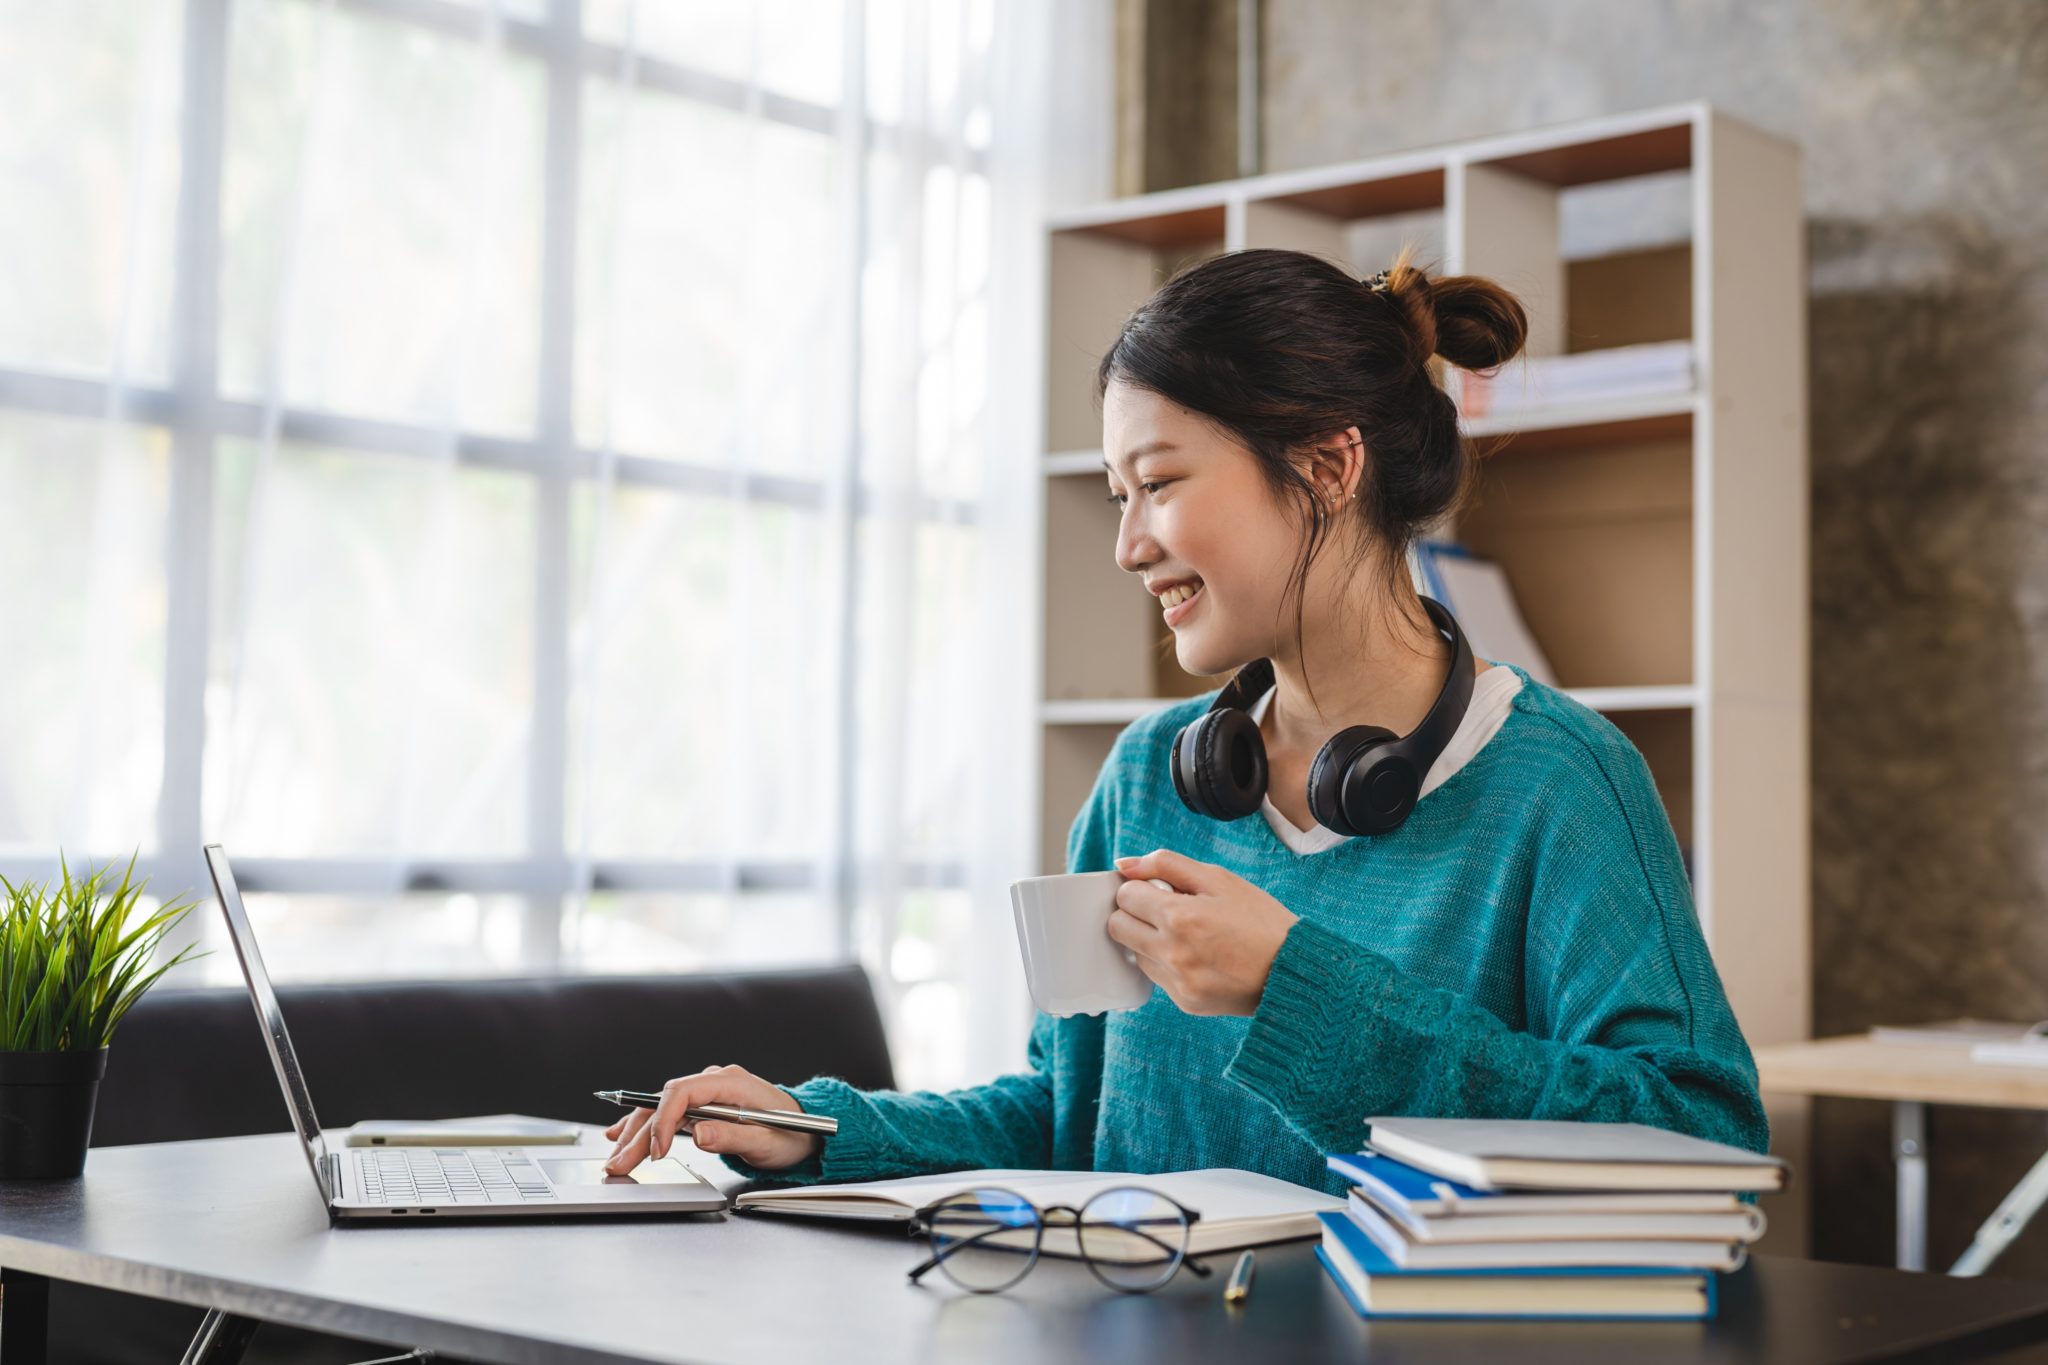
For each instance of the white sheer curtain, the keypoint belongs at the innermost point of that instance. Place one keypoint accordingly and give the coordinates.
(548, 486)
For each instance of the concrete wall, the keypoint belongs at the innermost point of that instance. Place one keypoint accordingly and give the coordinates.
(1925, 129)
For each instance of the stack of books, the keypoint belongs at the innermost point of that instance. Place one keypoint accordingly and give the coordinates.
(1531, 1218)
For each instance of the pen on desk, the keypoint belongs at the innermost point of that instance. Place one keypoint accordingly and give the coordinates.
(791, 1119)
(1240, 1280)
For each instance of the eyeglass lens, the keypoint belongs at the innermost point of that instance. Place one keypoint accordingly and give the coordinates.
(985, 1239)
(1134, 1239)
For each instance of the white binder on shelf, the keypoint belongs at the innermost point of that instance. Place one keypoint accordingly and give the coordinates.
(1477, 592)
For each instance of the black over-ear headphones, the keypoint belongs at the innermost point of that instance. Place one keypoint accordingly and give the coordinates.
(1364, 781)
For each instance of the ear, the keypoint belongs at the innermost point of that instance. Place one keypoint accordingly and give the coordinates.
(1338, 467)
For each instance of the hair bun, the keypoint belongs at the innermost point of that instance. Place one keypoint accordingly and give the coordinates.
(1468, 320)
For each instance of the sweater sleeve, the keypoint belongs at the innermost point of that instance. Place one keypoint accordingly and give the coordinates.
(1038, 1118)
(1627, 1020)
(885, 1133)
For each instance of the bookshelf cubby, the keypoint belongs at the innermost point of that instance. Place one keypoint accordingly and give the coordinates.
(1589, 537)
(1656, 542)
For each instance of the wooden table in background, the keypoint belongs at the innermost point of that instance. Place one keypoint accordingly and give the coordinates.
(1912, 1076)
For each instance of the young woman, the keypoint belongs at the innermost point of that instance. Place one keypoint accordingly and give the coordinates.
(1523, 944)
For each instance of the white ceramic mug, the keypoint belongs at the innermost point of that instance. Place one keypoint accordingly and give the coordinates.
(1071, 963)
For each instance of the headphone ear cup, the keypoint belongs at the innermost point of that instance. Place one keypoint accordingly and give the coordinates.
(1219, 765)
(1380, 799)
(1333, 764)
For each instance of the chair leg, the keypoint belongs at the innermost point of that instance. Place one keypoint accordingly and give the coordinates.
(24, 1318)
(220, 1340)
(2007, 1222)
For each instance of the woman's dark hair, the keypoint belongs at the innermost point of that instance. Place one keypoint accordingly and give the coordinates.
(1279, 349)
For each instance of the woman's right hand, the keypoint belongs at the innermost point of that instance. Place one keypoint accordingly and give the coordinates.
(647, 1132)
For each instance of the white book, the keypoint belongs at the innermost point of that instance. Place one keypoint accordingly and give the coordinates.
(1745, 1225)
(1416, 1194)
(1237, 1208)
(1409, 1254)
(1491, 1154)
(1476, 591)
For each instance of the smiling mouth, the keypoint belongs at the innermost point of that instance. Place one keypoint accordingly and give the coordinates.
(1176, 603)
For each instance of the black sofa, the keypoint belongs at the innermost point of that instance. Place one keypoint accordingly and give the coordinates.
(191, 1064)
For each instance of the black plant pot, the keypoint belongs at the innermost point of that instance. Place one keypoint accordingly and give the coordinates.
(46, 1103)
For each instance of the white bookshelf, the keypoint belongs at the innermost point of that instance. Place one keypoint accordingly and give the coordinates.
(1656, 543)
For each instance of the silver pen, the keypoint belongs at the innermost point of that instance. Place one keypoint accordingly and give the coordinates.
(791, 1119)
(1240, 1280)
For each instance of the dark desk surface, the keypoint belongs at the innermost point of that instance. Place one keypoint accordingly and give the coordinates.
(234, 1223)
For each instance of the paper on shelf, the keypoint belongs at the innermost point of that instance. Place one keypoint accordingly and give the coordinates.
(1478, 595)
(1531, 383)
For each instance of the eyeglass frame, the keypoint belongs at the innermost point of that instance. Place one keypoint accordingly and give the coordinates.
(920, 1226)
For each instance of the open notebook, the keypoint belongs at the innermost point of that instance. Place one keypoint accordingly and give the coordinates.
(1238, 1208)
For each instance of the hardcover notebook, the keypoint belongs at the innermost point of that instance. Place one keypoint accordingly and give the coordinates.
(1744, 1225)
(1377, 1288)
(1579, 1252)
(1400, 1188)
(1238, 1208)
(1428, 1209)
(1493, 1154)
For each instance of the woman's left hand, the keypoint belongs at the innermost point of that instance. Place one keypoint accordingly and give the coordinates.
(1210, 942)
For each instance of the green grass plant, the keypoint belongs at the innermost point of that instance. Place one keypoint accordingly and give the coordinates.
(75, 956)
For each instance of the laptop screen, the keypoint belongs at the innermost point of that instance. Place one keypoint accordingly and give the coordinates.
(275, 1038)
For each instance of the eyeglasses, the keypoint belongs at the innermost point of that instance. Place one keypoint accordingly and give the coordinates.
(987, 1239)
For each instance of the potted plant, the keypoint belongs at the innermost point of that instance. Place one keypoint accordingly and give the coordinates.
(70, 966)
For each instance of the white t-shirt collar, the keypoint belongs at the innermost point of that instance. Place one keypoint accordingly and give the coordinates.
(1493, 693)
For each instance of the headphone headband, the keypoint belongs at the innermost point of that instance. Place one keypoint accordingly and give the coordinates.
(1245, 687)
(1425, 742)
(1249, 683)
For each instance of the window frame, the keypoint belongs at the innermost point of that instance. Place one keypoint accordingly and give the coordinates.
(196, 415)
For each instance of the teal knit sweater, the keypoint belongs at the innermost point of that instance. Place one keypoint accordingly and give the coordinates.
(1524, 946)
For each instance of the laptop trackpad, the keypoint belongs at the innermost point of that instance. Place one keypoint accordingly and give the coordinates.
(577, 1177)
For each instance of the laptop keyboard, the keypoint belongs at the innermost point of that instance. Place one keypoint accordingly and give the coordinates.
(448, 1175)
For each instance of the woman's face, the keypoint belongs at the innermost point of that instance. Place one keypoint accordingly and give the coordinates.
(1199, 514)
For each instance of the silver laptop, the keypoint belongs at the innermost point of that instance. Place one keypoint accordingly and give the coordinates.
(459, 1182)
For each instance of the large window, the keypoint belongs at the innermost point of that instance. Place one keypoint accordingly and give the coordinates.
(511, 473)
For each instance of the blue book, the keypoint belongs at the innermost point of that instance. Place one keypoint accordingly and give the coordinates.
(1410, 1194)
(1377, 1288)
